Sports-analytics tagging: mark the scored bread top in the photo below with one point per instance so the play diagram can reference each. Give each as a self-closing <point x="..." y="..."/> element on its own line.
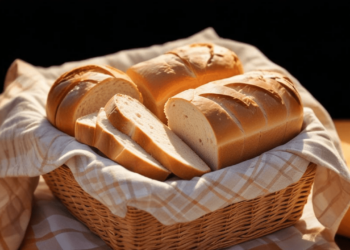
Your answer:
<point x="244" y="112"/>
<point x="134" y="119"/>
<point x="209" y="62"/>
<point x="264" y="106"/>
<point x="67" y="81"/>
<point x="283" y="105"/>
<point x="85" y="90"/>
<point x="177" y="70"/>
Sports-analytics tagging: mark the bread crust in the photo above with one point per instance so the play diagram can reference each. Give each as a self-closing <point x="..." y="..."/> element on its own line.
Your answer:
<point x="119" y="152"/>
<point x="138" y="165"/>
<point x="65" y="117"/>
<point x="269" y="100"/>
<point x="85" y="132"/>
<point x="86" y="90"/>
<point x="209" y="62"/>
<point x="265" y="106"/>
<point x="245" y="112"/>
<point x="177" y="70"/>
<point x="179" y="167"/>
<point x="67" y="81"/>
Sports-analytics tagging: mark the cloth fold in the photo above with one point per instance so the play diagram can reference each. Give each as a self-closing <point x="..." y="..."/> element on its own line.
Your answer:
<point x="30" y="147"/>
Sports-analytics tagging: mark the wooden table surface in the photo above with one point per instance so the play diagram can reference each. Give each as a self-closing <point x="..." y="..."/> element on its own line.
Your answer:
<point x="343" y="236"/>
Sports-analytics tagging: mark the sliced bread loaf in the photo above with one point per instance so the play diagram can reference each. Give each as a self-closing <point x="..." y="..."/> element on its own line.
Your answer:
<point x="67" y="81"/>
<point x="132" y="118"/>
<point x="85" y="91"/>
<point x="264" y="106"/>
<point x="117" y="146"/>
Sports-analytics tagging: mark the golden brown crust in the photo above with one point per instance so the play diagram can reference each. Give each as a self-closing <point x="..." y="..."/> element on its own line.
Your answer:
<point x="223" y="126"/>
<point x="106" y="143"/>
<point x="280" y="107"/>
<point x="270" y="103"/>
<point x="160" y="78"/>
<point x="209" y="62"/>
<point x="138" y="165"/>
<point x="264" y="106"/>
<point x="292" y="100"/>
<point x="66" y="82"/>
<point x="85" y="135"/>
<point x="283" y="91"/>
<point x="85" y="132"/>
<point x="180" y="69"/>
<point x="114" y="149"/>
<point x="65" y="117"/>
<point x="245" y="112"/>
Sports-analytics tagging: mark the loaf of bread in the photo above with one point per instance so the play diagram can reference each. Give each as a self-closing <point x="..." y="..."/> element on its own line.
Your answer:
<point x="95" y="130"/>
<point x="85" y="90"/>
<point x="235" y="119"/>
<point x="186" y="67"/>
<point x="132" y="118"/>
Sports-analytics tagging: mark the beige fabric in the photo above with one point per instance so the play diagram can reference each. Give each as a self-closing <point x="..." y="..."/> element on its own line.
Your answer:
<point x="15" y="209"/>
<point x="51" y="226"/>
<point x="30" y="146"/>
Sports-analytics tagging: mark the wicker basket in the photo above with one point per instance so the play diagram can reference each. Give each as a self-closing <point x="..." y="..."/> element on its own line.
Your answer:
<point x="225" y="227"/>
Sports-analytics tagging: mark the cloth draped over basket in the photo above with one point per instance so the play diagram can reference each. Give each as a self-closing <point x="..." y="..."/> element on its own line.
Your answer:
<point x="30" y="146"/>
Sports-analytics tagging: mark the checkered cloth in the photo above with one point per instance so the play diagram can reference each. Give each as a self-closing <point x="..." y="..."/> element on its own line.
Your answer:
<point x="30" y="147"/>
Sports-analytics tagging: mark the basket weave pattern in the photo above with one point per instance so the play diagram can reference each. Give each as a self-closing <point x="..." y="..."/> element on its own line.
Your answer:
<point x="224" y="227"/>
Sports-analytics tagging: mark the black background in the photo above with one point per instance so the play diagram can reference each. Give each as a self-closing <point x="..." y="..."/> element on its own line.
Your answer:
<point x="310" y="40"/>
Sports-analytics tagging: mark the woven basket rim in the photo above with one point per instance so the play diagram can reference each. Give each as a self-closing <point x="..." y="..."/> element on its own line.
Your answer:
<point x="310" y="167"/>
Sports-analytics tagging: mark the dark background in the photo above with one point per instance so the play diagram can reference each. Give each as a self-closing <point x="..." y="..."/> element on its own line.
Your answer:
<point x="310" y="40"/>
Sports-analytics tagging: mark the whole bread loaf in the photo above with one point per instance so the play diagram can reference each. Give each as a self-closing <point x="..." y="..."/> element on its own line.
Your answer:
<point x="186" y="67"/>
<point x="234" y="119"/>
<point x="85" y="90"/>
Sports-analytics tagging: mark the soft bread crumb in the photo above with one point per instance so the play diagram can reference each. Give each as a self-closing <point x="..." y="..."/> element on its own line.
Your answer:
<point x="126" y="143"/>
<point x="155" y="137"/>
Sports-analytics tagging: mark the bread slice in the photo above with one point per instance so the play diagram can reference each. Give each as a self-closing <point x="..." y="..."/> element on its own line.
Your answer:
<point x="132" y="118"/>
<point x="85" y="127"/>
<point x="95" y="130"/>
<point x="266" y="112"/>
<point x="89" y="95"/>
